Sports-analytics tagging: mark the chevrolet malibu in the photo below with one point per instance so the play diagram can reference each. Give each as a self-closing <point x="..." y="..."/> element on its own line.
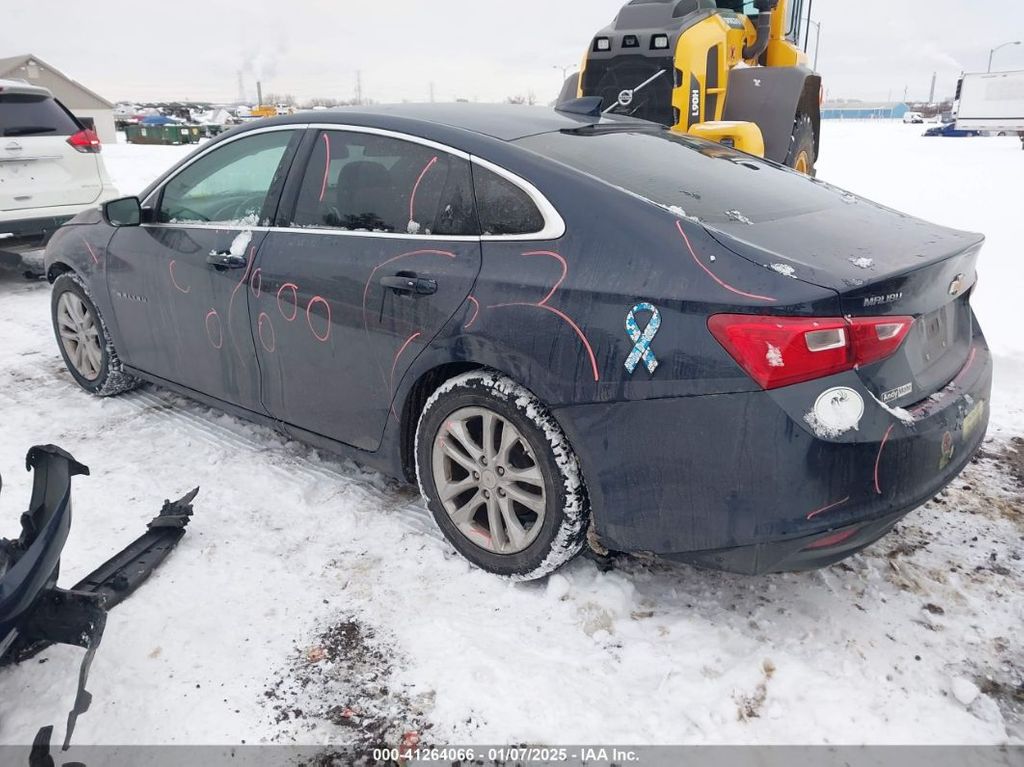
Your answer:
<point x="571" y="329"/>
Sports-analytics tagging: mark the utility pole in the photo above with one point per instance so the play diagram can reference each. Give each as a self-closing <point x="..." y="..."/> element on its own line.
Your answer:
<point x="817" y="41"/>
<point x="931" y="95"/>
<point x="359" y="86"/>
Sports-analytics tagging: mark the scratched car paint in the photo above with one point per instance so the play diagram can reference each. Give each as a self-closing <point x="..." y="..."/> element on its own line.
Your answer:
<point x="727" y="363"/>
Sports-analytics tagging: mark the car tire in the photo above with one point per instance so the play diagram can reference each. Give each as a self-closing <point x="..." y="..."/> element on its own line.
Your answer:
<point x="801" y="146"/>
<point x="533" y="534"/>
<point x="84" y="341"/>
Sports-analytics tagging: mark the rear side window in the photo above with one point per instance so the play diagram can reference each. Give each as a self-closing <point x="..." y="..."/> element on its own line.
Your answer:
<point x="31" y="115"/>
<point x="503" y="207"/>
<point x="371" y="183"/>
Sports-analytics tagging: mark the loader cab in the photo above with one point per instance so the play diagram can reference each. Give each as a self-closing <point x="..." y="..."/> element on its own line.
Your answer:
<point x="675" y="62"/>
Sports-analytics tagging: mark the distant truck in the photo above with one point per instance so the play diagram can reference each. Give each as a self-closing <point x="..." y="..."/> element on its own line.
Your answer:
<point x="992" y="102"/>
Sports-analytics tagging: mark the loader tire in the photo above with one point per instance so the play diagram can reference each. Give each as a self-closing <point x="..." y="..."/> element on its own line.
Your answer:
<point x="801" y="155"/>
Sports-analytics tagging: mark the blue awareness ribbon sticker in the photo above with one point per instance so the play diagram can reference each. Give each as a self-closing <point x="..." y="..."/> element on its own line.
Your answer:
<point x="642" y="340"/>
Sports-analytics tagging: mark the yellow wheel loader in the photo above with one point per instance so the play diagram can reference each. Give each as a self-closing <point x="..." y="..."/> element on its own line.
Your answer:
<point x="729" y="71"/>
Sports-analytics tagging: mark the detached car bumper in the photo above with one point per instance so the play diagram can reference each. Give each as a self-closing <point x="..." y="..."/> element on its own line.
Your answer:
<point x="740" y="482"/>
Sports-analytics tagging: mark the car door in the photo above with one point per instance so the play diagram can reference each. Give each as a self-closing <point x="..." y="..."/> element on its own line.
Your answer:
<point x="180" y="284"/>
<point x="376" y="251"/>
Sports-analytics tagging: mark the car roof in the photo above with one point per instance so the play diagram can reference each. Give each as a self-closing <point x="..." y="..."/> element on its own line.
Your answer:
<point x="505" y="122"/>
<point x="22" y="88"/>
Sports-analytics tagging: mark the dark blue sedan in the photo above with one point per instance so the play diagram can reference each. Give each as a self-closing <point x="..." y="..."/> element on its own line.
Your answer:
<point x="950" y="130"/>
<point x="572" y="330"/>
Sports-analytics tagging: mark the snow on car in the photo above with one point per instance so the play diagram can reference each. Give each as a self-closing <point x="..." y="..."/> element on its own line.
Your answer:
<point x="312" y="594"/>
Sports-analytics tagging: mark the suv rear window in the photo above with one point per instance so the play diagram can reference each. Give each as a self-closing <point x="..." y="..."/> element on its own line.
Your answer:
<point x="24" y="114"/>
<point x="709" y="181"/>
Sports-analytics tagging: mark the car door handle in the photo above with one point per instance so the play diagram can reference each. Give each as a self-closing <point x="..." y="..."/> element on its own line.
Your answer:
<point x="410" y="284"/>
<point x="225" y="260"/>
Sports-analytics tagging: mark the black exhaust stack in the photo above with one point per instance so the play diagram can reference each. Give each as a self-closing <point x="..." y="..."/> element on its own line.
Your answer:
<point x="764" y="29"/>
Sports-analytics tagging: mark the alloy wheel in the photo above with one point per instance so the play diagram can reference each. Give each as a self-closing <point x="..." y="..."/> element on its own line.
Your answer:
<point x="489" y="481"/>
<point x="79" y="335"/>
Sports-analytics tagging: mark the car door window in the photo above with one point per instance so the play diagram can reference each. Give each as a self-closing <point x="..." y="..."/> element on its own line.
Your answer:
<point x="230" y="185"/>
<point x="372" y="183"/>
<point x="504" y="208"/>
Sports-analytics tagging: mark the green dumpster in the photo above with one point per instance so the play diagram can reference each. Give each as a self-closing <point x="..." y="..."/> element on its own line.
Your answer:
<point x="171" y="133"/>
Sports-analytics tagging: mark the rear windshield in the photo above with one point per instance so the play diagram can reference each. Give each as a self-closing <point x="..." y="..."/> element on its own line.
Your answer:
<point x="709" y="181"/>
<point x="24" y="114"/>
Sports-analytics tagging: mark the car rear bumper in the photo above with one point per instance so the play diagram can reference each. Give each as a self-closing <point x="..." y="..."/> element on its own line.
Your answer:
<point x="740" y="481"/>
<point x="22" y="241"/>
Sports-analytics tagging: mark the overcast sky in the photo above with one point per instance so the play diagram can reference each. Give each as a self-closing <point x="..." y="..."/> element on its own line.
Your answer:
<point x="475" y="49"/>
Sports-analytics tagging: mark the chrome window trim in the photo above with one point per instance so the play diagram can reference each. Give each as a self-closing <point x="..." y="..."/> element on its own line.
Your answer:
<point x="554" y="225"/>
<point x="390" y="134"/>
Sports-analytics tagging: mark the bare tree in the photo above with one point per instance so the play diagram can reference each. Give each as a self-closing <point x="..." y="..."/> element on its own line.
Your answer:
<point x="530" y="98"/>
<point x="280" y="98"/>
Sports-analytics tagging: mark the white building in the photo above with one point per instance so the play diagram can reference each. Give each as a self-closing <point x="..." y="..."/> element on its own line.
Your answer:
<point x="83" y="103"/>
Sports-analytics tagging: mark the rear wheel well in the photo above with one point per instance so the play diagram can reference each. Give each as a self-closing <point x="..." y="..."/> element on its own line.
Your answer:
<point x="426" y="385"/>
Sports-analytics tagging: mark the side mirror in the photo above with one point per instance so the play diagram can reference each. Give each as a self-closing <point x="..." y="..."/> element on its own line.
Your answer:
<point x="125" y="211"/>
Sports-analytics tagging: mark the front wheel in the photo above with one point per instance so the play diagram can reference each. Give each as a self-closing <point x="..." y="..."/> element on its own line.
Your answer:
<point x="500" y="477"/>
<point x="84" y="341"/>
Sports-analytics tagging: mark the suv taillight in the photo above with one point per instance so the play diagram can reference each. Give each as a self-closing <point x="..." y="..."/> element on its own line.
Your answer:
<point x="780" y="351"/>
<point x="85" y="140"/>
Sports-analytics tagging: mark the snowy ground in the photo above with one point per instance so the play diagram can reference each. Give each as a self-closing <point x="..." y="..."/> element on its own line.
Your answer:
<point x="314" y="602"/>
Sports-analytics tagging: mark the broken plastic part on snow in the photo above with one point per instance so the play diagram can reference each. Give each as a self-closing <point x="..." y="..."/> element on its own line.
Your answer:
<point x="784" y="269"/>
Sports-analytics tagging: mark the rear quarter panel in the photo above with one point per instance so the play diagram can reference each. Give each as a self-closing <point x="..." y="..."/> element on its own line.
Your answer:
<point x="552" y="314"/>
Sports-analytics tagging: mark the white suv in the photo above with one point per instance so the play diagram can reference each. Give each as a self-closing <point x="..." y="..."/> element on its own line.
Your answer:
<point x="50" y="169"/>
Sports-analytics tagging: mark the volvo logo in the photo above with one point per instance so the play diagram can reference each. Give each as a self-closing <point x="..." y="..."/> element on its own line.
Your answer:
<point x="625" y="98"/>
<point x="957" y="285"/>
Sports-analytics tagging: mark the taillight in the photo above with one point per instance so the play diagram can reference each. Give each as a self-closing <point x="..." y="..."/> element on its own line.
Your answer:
<point x="85" y="140"/>
<point x="780" y="351"/>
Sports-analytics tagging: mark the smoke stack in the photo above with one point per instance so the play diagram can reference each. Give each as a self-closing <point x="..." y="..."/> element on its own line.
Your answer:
<point x="259" y="93"/>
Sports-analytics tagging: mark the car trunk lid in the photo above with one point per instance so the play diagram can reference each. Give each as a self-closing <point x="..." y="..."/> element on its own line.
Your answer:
<point x="881" y="263"/>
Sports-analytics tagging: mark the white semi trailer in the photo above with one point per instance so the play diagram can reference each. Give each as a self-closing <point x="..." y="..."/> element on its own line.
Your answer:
<point x="991" y="102"/>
